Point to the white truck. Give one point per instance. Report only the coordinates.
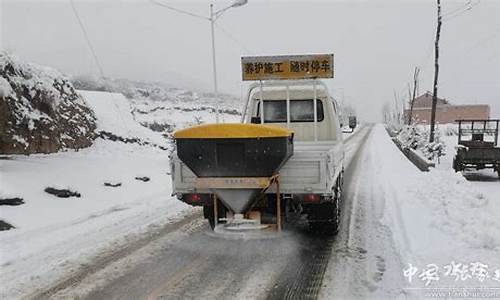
(311, 180)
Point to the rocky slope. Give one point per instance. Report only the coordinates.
(40, 111)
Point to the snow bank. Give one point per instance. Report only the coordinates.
(437, 216)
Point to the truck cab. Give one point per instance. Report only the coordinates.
(293, 105)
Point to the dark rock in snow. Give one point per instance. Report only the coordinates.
(113, 184)
(63, 193)
(5, 226)
(11, 201)
(145, 179)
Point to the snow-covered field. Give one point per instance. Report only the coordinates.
(54, 235)
(180, 115)
(401, 216)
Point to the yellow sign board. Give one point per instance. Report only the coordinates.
(287, 67)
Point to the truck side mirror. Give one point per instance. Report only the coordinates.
(255, 120)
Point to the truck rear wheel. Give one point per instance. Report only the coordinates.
(208, 213)
(325, 217)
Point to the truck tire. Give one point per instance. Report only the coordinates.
(329, 212)
(208, 213)
(326, 226)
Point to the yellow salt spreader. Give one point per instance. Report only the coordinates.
(234, 165)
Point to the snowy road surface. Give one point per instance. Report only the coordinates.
(186, 262)
(393, 215)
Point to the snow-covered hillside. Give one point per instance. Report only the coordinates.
(116, 122)
(164, 108)
(40, 110)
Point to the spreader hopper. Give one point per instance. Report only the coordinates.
(234, 160)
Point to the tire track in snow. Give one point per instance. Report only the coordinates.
(365, 255)
(303, 279)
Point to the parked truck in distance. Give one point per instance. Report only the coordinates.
(311, 180)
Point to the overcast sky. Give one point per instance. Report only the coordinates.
(376, 43)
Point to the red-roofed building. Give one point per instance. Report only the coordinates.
(445, 112)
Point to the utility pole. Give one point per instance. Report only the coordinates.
(410, 101)
(436, 71)
(214, 68)
(214, 15)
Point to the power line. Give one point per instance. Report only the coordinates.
(224, 31)
(166, 5)
(469, 5)
(482, 41)
(86, 37)
(231, 37)
(96, 60)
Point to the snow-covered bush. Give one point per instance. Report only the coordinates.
(410, 137)
(417, 138)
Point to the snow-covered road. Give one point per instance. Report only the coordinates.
(364, 260)
(393, 216)
(186, 261)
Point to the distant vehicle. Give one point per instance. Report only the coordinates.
(352, 122)
(475, 152)
(310, 181)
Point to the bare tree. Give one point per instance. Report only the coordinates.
(412, 97)
(436, 71)
(396, 108)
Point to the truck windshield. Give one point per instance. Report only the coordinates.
(300, 110)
